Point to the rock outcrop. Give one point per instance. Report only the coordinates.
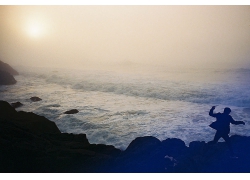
(7, 68)
(6, 78)
(72, 111)
(31, 143)
(26, 120)
(147, 154)
(150, 155)
(16, 105)
(35, 99)
(6, 74)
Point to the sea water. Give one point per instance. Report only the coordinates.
(115, 107)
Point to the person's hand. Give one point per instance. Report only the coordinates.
(243, 123)
(213, 107)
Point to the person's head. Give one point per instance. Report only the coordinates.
(227, 110)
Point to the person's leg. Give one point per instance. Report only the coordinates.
(217, 136)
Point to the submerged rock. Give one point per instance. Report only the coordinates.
(35, 99)
(16, 104)
(6, 78)
(72, 111)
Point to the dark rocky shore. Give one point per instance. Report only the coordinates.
(32, 143)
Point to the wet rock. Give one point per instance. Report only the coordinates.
(72, 111)
(35, 99)
(6, 78)
(16, 104)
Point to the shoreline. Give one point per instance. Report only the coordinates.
(32, 143)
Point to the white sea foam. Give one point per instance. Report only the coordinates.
(114, 108)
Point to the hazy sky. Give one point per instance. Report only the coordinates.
(172, 36)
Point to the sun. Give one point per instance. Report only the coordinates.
(35, 29)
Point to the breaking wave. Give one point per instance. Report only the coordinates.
(233, 92)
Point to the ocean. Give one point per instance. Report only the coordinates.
(115, 107)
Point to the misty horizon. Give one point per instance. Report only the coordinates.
(125, 36)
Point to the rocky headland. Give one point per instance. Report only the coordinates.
(31, 143)
(7, 74)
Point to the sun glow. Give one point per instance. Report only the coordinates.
(35, 30)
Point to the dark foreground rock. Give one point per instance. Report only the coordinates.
(72, 111)
(16, 104)
(35, 99)
(6, 78)
(149, 155)
(32, 143)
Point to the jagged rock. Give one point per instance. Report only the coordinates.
(35, 99)
(6, 78)
(72, 111)
(7, 68)
(31, 143)
(16, 105)
(27, 120)
(35, 123)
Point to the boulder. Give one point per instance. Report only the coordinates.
(72, 111)
(174, 147)
(7, 68)
(144, 154)
(143, 145)
(35, 99)
(16, 104)
(6, 78)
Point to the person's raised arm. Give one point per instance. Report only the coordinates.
(211, 112)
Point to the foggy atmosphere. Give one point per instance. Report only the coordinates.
(125, 88)
(104, 36)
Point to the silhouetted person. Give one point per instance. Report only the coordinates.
(222, 125)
